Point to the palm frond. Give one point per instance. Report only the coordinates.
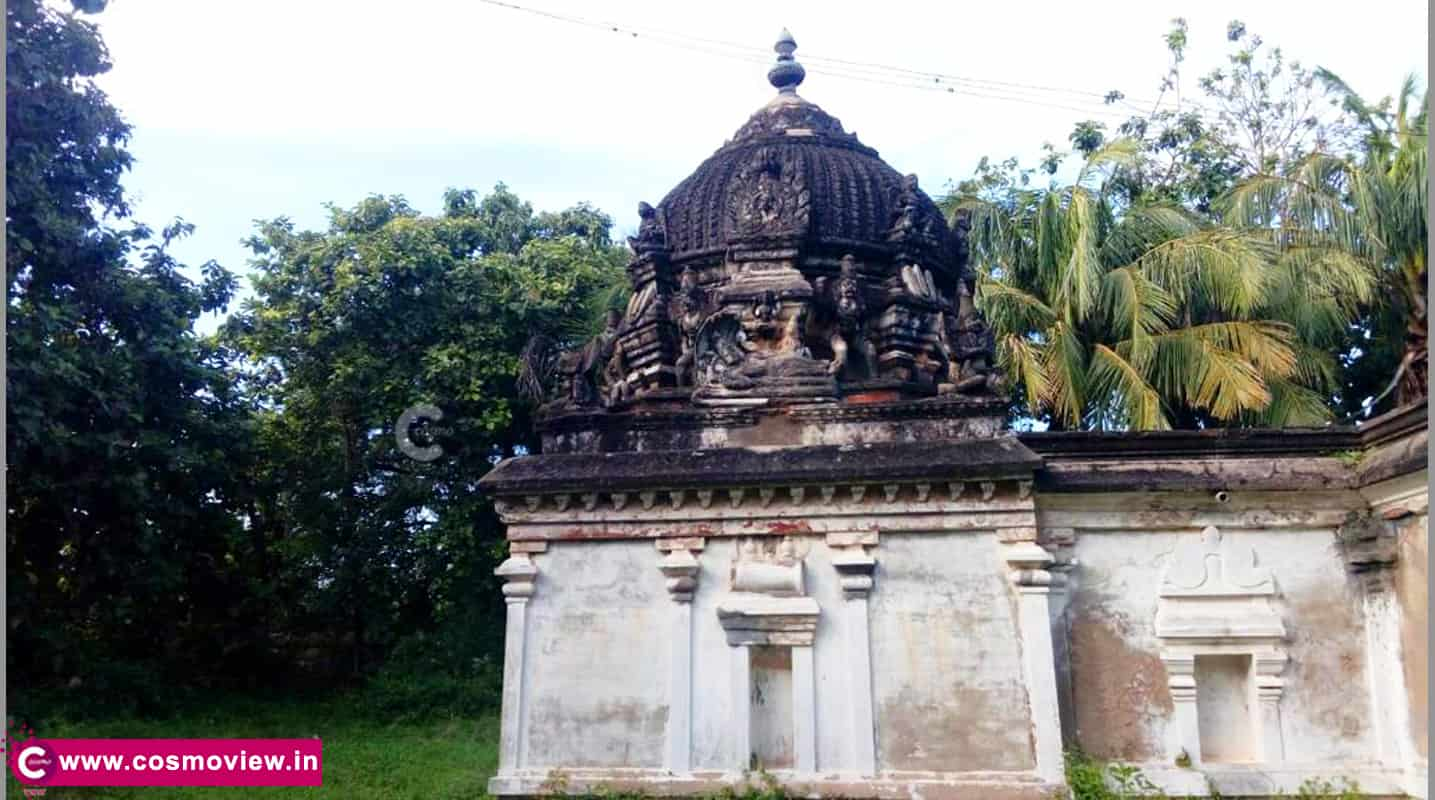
(1065, 369)
(1079, 277)
(1124, 390)
(1291, 405)
(1010, 309)
(1024, 360)
(1143, 228)
(1135, 306)
(1116, 153)
(1227, 268)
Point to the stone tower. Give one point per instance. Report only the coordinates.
(799, 377)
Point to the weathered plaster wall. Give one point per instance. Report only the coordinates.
(598, 673)
(713, 700)
(946, 657)
(1412, 591)
(1121, 702)
(712, 696)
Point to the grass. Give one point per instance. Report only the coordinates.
(364, 758)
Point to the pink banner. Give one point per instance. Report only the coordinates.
(168, 762)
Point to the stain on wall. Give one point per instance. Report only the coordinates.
(1122, 705)
(1119, 691)
(1120, 699)
(947, 674)
(1411, 592)
(599, 696)
(1325, 710)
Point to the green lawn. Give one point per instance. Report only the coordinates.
(440, 759)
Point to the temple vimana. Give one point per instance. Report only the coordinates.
(780, 531)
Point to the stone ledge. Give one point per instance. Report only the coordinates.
(1259, 780)
(1290, 459)
(888, 786)
(928, 461)
(1213, 442)
(1111, 472)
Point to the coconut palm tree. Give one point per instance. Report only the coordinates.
(1370, 207)
(1148, 315)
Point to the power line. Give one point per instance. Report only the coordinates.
(881, 74)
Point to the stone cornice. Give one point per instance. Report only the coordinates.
(1247, 459)
(789, 468)
(1177, 444)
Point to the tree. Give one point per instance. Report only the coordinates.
(1371, 207)
(123, 426)
(350, 327)
(1142, 316)
(1152, 199)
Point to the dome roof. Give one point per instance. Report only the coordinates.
(792, 172)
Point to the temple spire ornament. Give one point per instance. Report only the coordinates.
(786, 74)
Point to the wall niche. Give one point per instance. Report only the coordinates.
(1222, 642)
(1223, 708)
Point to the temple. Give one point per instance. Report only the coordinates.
(780, 530)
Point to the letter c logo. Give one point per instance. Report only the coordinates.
(35, 762)
(407, 446)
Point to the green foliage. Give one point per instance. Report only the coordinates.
(125, 433)
(1090, 779)
(194, 512)
(351, 326)
(1130, 298)
(1367, 207)
(1312, 789)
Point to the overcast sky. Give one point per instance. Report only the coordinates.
(257, 109)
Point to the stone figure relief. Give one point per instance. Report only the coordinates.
(652, 231)
(755, 352)
(912, 220)
(690, 308)
(968, 346)
(769, 198)
(846, 331)
(618, 381)
(591, 378)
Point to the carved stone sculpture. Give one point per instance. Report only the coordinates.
(913, 223)
(769, 197)
(591, 374)
(690, 308)
(735, 299)
(652, 234)
(756, 355)
(846, 333)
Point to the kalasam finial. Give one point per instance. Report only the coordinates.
(786, 74)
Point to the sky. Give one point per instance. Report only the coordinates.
(266, 108)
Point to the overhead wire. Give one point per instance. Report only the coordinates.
(848, 69)
(1102, 105)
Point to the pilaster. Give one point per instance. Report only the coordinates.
(1371, 552)
(856, 569)
(680, 566)
(520, 576)
(1028, 563)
